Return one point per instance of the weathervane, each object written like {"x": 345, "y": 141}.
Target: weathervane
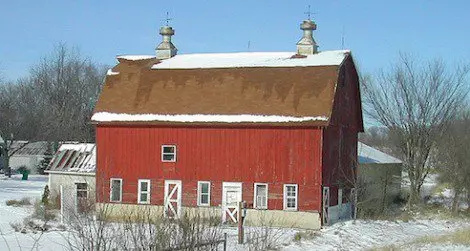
{"x": 309, "y": 13}
{"x": 167, "y": 19}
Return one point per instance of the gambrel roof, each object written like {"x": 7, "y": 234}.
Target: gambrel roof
{"x": 278, "y": 88}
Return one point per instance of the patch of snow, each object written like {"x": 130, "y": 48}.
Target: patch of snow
{"x": 110, "y": 72}
{"x": 135, "y": 57}
{"x": 108, "y": 117}
{"x": 363, "y": 235}
{"x": 369, "y": 154}
{"x": 87, "y": 147}
{"x": 251, "y": 59}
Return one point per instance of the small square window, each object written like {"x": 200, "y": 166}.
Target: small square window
{"x": 203, "y": 193}
{"x": 168, "y": 153}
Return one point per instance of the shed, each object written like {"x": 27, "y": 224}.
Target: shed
{"x": 379, "y": 175}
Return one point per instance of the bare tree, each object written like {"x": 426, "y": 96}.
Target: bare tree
{"x": 452, "y": 157}
{"x": 67, "y": 85}
{"x": 55, "y": 101}
{"x": 415, "y": 101}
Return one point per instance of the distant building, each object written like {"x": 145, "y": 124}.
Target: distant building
{"x": 27, "y": 154}
{"x": 201, "y": 132}
{"x": 379, "y": 175}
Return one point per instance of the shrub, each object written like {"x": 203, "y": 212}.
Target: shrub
{"x": 18, "y": 203}
{"x": 42, "y": 212}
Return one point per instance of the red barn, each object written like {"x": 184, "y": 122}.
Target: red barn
{"x": 192, "y": 132}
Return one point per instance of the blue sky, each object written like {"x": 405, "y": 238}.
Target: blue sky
{"x": 374, "y": 30}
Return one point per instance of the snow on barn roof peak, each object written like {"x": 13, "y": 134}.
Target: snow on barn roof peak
{"x": 251, "y": 59}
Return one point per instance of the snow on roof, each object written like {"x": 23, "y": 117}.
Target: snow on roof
{"x": 251, "y": 59}
{"x": 135, "y": 57}
{"x": 369, "y": 154}
{"x": 110, "y": 72}
{"x": 74, "y": 157}
{"x": 38, "y": 148}
{"x": 109, "y": 117}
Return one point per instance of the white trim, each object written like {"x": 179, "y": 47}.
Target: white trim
{"x": 232, "y": 210}
{"x": 168, "y": 194}
{"x": 71, "y": 173}
{"x": 139, "y": 191}
{"x": 76, "y": 192}
{"x": 255, "y": 206}
{"x": 199, "y": 193}
{"x": 296, "y": 197}
{"x": 111, "y": 190}
{"x": 174, "y": 154}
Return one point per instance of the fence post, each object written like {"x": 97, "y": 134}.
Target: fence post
{"x": 240, "y": 223}
{"x": 225, "y": 241}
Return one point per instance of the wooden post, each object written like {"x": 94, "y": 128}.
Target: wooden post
{"x": 240, "y": 222}
{"x": 225, "y": 241}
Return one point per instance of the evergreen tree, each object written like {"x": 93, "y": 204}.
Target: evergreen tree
{"x": 45, "y": 196}
{"x": 46, "y": 160}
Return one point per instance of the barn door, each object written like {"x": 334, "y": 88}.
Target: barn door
{"x": 231, "y": 195}
{"x": 172, "y": 200}
{"x": 326, "y": 204}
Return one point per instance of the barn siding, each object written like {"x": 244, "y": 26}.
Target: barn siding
{"x": 276, "y": 156}
{"x": 339, "y": 162}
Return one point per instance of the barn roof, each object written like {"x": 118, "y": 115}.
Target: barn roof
{"x": 276, "y": 88}
{"x": 74, "y": 157}
{"x": 367, "y": 154}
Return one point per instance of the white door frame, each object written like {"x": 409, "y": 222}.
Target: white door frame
{"x": 168, "y": 198}
{"x": 326, "y": 205}
{"x": 231, "y": 210}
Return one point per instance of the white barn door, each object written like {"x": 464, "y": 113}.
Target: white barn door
{"x": 231, "y": 195}
{"x": 172, "y": 199}
{"x": 326, "y": 205}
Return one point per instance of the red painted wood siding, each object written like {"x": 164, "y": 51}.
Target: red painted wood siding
{"x": 340, "y": 137}
{"x": 276, "y": 156}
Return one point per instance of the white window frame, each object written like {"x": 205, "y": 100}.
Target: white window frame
{"x": 255, "y": 204}
{"x": 199, "y": 193}
{"x": 296, "y": 197}
{"x": 163, "y": 147}
{"x": 111, "y": 190}
{"x": 139, "y": 195}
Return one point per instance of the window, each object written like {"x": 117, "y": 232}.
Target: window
{"x": 261, "y": 196}
{"x": 290, "y": 197}
{"x": 116, "y": 190}
{"x": 168, "y": 153}
{"x": 82, "y": 190}
{"x": 144, "y": 192}
{"x": 203, "y": 193}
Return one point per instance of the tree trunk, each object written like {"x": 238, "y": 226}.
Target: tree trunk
{"x": 414, "y": 198}
{"x": 468, "y": 200}
{"x": 456, "y": 200}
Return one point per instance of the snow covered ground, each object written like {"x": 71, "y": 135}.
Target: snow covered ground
{"x": 363, "y": 235}
{"x": 350, "y": 235}
{"x": 15, "y": 188}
